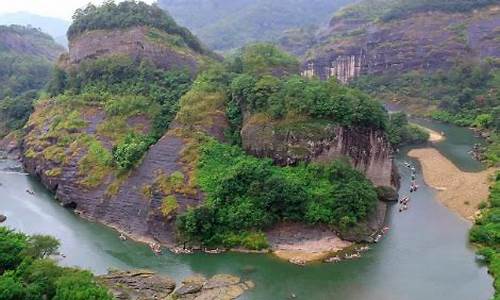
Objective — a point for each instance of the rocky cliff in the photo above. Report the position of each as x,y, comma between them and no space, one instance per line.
141,42
356,43
367,149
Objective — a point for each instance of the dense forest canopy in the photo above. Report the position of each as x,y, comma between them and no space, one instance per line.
230,24
127,14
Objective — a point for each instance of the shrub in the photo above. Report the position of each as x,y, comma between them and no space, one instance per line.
130,151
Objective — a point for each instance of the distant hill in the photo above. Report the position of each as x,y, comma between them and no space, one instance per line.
27,56
228,24
55,27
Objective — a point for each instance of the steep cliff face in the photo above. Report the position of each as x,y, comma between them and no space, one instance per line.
164,50
368,150
131,203
354,45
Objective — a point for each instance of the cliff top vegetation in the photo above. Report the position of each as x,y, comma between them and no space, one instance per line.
128,14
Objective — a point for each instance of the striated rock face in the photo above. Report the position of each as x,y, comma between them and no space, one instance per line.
368,150
351,46
139,43
130,209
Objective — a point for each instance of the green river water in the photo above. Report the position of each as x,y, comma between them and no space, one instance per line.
425,255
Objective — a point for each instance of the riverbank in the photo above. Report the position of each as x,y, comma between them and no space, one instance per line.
434,136
460,191
300,244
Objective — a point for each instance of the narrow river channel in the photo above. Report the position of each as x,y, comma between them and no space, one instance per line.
425,255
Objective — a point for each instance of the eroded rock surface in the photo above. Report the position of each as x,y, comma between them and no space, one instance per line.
137,43
367,149
218,287
138,285
423,41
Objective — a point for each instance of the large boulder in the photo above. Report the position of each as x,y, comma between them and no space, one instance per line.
387,194
2,218
138,285
219,287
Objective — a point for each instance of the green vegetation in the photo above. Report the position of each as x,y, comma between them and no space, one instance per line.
313,98
402,133
123,89
466,95
486,234
225,25
130,150
387,10
27,272
128,14
247,194
23,72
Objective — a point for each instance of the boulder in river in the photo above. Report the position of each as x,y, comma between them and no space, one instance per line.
141,285
219,287
137,285
387,194
2,218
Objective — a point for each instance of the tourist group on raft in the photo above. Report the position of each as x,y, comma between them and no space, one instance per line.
405,201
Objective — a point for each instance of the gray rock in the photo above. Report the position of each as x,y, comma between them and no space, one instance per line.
138,285
219,287
2,218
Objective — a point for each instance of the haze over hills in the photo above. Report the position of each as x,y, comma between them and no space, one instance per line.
55,27
225,24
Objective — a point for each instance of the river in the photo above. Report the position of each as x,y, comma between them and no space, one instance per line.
425,255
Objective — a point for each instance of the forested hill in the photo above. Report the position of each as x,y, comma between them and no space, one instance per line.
229,24
55,27
386,10
26,40
26,59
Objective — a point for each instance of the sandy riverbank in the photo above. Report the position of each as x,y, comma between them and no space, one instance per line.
460,191
300,244
434,136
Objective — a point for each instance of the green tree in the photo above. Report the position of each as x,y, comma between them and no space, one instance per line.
80,285
12,245
41,246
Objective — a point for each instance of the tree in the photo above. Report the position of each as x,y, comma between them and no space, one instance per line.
42,246
12,245
80,285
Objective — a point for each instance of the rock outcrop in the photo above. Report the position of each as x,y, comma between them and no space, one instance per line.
367,149
142,285
218,287
137,285
138,43
354,45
